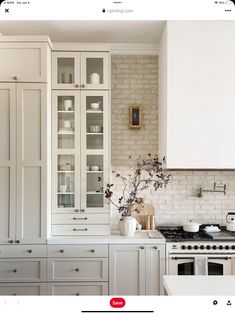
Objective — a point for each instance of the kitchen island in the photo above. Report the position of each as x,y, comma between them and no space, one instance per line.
199,285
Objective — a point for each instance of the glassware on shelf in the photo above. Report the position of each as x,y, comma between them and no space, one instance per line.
94,71
65,71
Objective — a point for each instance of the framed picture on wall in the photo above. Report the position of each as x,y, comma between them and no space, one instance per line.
135,116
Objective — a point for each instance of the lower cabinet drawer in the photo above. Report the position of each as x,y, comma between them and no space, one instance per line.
71,219
77,269
78,250
83,288
23,289
77,229
24,270
22,250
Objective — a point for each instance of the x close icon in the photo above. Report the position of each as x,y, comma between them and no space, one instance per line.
6,10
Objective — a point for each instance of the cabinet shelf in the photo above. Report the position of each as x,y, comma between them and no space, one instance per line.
94,171
65,193
65,111
94,111
94,193
94,133
68,171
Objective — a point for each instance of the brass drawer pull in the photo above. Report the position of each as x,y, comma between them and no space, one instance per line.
76,218
14,270
75,229
142,247
77,269
155,247
29,251
92,251
61,251
17,241
14,78
77,85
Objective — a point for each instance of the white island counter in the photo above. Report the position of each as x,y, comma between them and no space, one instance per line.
199,285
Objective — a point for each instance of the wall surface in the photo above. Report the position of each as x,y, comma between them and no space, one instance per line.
135,80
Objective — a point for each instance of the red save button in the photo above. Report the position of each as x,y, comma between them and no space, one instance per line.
117,302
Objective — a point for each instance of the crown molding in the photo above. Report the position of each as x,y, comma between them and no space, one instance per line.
138,49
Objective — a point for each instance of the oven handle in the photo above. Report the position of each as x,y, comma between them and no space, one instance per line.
225,258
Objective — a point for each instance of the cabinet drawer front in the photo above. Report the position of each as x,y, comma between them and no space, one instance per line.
71,219
23,289
24,62
9,251
22,270
77,250
83,288
75,230
78,269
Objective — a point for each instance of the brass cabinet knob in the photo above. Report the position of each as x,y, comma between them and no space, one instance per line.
10,241
17,241
83,85
155,247
29,251
15,78
61,251
92,251
142,247
76,85
76,210
14,270
77,269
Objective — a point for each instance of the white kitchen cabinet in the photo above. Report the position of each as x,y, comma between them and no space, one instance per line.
24,162
197,95
23,289
78,203
77,289
127,270
24,61
136,269
80,70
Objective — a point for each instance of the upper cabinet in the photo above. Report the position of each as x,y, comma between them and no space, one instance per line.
197,95
80,70
24,61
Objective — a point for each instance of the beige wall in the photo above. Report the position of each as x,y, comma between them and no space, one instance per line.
134,80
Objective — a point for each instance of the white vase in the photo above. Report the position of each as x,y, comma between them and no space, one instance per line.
127,226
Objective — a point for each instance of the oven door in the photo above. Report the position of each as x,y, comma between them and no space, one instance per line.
184,265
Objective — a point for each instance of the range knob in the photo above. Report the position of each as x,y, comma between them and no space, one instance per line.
202,247
221,247
214,247
208,247
226,247
195,247
189,247
183,247
233,247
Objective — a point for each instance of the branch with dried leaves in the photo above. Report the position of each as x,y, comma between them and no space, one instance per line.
147,172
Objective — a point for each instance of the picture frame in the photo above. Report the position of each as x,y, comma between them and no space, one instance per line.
135,116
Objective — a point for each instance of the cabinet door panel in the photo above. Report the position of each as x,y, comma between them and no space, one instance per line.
31,163
127,278
82,288
155,269
24,62
23,289
7,162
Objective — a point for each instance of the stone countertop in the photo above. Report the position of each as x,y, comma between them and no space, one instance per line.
199,285
140,237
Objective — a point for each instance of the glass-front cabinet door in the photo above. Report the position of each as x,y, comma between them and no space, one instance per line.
94,145
66,70
94,70
66,148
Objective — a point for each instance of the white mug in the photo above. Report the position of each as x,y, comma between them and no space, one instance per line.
67,124
68,104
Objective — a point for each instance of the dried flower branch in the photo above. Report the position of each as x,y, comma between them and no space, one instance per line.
147,172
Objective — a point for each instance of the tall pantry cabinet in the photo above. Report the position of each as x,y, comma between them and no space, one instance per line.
24,139
80,139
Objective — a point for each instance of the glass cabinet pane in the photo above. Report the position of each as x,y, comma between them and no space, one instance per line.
66,122
65,70
94,181
94,71
66,181
94,122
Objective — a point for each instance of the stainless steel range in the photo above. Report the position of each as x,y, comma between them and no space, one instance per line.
199,253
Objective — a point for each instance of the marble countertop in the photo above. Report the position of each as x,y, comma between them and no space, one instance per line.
140,237
199,285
